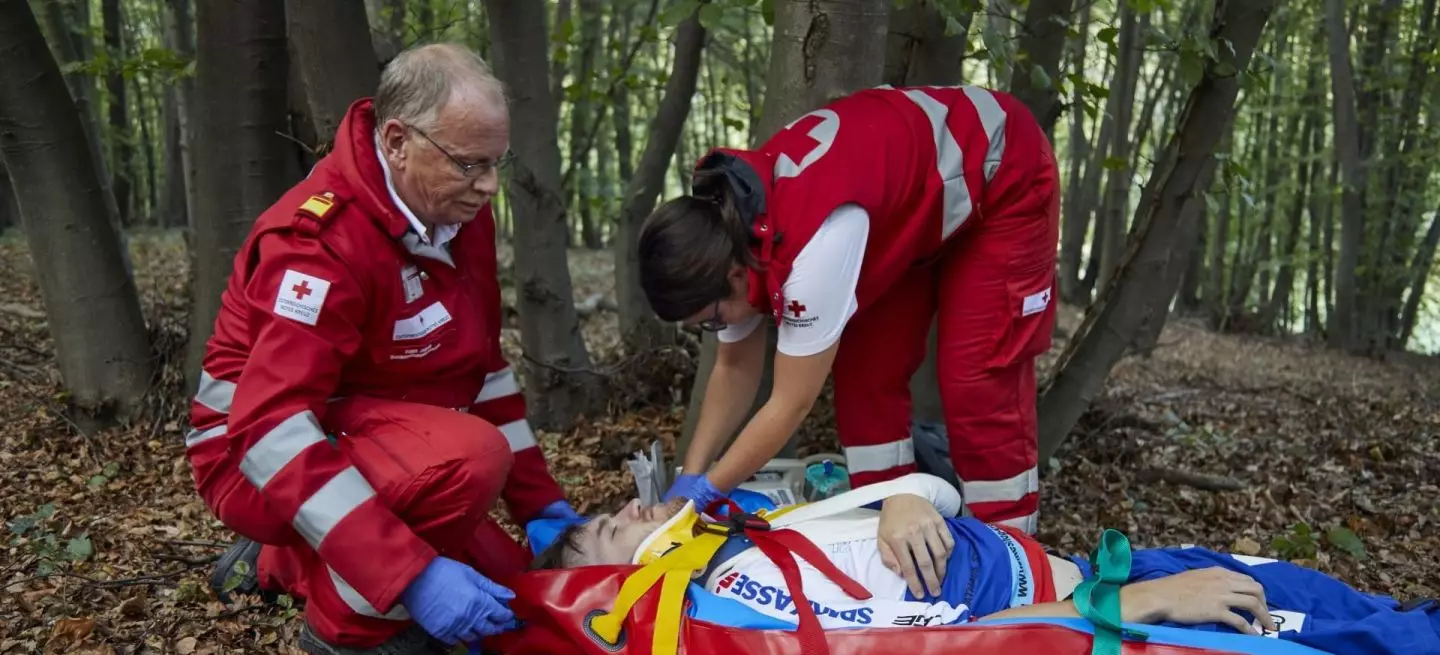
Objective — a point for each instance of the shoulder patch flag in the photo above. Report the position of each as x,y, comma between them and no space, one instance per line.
318,205
300,297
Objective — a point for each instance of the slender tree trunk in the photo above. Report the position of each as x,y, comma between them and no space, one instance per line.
620,100
145,212
559,387
1216,295
1419,275
583,118
101,343
180,34
1343,323
1042,42
1305,175
1118,176
9,208
122,149
242,163
334,58
638,325
1168,204
1076,218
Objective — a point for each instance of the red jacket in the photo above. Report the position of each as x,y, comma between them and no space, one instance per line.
921,162
326,300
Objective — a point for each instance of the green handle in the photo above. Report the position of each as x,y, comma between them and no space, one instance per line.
1098,597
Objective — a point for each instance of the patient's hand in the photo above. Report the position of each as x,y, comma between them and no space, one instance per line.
915,542
1199,596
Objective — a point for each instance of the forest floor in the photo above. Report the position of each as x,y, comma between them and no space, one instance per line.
1336,459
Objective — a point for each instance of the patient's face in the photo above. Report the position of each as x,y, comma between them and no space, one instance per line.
613,538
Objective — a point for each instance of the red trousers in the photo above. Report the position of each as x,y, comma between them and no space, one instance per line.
992,291
439,470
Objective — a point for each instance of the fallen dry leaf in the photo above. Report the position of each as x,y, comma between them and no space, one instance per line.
1245,546
185,646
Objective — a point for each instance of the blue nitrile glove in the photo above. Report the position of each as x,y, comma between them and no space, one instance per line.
455,603
559,509
696,487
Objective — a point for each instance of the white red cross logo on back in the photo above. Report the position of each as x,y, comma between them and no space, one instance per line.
301,290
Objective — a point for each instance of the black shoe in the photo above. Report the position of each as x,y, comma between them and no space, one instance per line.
1422,604
236,572
412,641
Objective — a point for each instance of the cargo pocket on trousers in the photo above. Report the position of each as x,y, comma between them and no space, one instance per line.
1029,314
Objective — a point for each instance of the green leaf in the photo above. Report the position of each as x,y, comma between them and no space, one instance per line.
1107,35
1038,77
710,16
564,31
733,123
678,11
1345,539
767,11
80,547
97,481
1192,67
1116,163
111,470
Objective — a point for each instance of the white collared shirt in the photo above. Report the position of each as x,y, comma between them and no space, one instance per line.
443,233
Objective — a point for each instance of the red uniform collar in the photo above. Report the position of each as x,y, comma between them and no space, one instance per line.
357,162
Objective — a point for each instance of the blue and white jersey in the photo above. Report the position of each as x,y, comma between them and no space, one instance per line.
987,572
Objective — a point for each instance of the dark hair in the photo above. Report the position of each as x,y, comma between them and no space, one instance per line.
553,557
688,245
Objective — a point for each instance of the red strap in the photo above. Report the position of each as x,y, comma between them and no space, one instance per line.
798,544
812,637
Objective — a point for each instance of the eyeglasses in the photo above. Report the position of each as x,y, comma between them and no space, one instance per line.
714,323
468,170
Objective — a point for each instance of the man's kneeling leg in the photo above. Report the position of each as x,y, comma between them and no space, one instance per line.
439,470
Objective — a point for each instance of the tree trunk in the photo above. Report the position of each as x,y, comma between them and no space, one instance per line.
559,385
180,34
1343,328
1305,174
1216,292
1419,275
1118,175
121,149
9,209
1042,41
101,343
620,100
1170,201
334,58
242,163
1076,221
583,117
822,50
638,326
917,47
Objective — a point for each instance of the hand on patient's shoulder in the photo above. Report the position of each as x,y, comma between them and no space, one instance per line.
1200,596
915,542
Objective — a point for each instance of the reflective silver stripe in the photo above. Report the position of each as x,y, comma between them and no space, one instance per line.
197,437
329,504
992,118
519,434
279,446
997,491
865,459
362,606
498,385
215,394
949,162
1026,524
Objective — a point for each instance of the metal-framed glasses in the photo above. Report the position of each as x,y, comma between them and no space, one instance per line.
471,170
714,323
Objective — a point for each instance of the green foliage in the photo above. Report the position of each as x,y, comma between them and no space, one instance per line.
1298,544
164,64
31,530
1345,539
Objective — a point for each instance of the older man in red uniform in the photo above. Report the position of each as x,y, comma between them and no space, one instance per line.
355,419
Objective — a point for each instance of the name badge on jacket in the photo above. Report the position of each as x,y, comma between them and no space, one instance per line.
410,279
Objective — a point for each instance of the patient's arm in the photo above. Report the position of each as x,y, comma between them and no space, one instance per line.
1192,597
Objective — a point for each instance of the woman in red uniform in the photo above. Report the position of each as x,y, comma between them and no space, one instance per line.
852,228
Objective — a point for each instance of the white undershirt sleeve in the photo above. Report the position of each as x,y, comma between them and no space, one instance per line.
820,292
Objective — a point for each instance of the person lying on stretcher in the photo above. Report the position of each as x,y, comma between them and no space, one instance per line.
924,565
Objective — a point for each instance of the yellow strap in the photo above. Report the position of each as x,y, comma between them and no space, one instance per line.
676,566
666,640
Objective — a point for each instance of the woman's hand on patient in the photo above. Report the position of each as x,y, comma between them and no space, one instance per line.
1201,596
915,542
